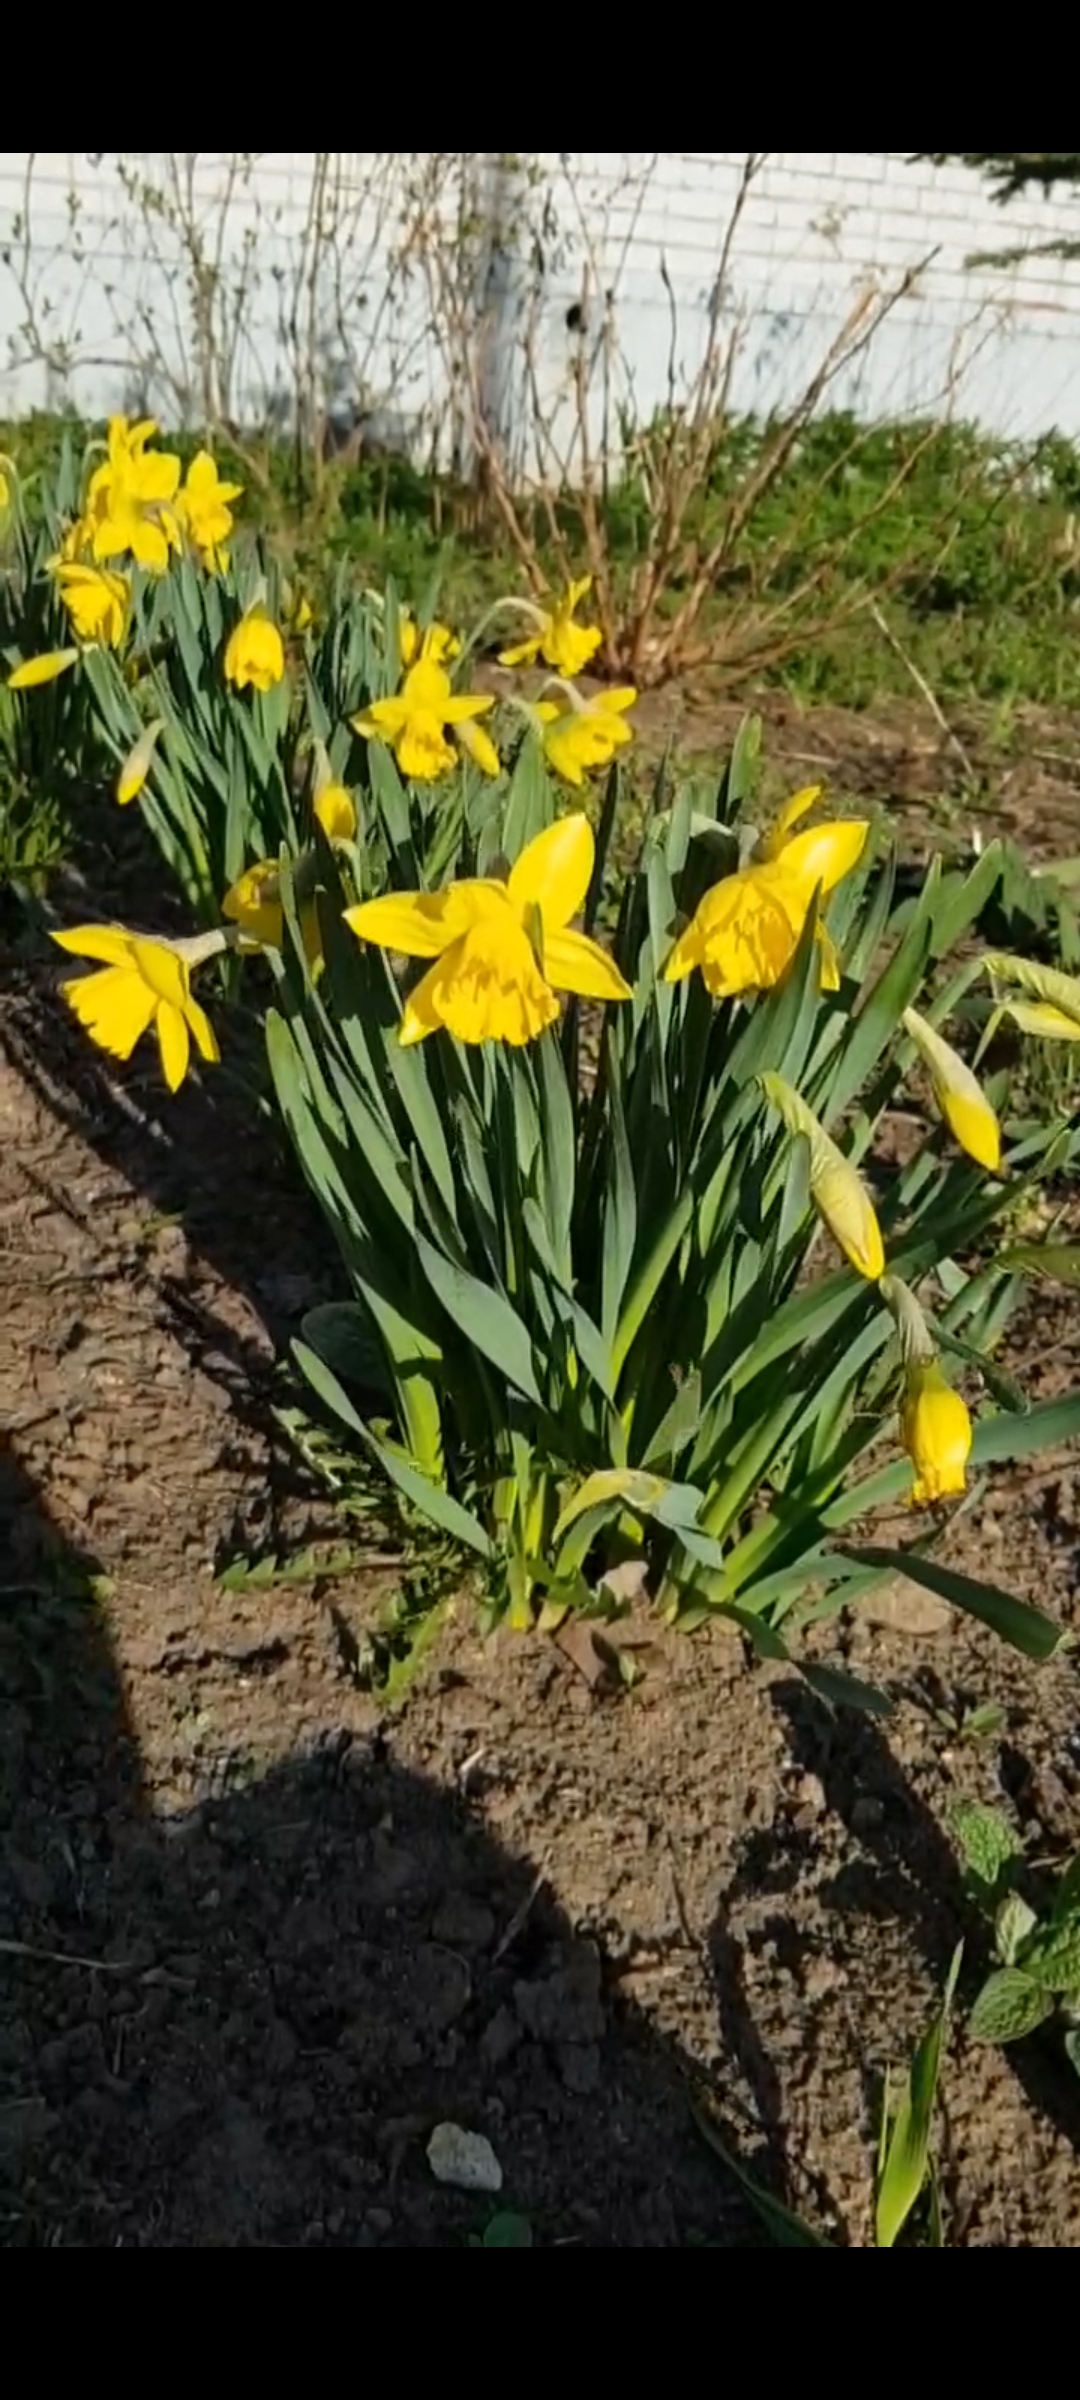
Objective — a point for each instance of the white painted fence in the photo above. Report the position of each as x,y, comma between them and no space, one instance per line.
207,285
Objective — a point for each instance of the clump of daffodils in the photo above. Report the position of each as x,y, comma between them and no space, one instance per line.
139,512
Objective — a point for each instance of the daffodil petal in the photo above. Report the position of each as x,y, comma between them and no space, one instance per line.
115,1007
685,956
825,854
419,1016
795,808
521,654
110,943
554,870
423,924
206,1040
463,705
174,1044
573,963
383,720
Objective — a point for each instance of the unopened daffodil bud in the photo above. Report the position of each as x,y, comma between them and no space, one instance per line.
836,1188
958,1093
936,1431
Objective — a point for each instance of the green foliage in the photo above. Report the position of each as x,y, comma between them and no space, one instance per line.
1011,173
1036,1940
49,751
586,1298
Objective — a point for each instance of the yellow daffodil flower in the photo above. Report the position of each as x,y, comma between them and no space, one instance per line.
142,983
746,930
253,903
204,508
936,1431
129,499
43,669
435,642
557,639
836,1189
255,652
5,492
502,950
958,1093
335,809
588,733
413,721
97,600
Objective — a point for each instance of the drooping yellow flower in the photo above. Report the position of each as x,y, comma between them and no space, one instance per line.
97,600
255,652
588,733
413,722
335,809
254,904
435,642
137,764
502,950
45,668
745,932
936,1431
130,497
958,1093
204,508
557,639
142,983
836,1188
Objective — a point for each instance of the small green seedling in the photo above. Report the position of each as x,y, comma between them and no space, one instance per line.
1037,1976
906,2193
504,2231
967,1721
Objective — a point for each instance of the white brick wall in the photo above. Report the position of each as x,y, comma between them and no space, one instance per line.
91,284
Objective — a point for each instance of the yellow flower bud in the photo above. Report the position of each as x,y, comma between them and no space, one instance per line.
958,1093
136,766
45,668
336,812
836,1189
936,1431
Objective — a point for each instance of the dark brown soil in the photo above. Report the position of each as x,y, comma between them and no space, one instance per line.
259,1932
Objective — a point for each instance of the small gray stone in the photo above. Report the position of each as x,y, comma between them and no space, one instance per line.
464,2160
902,1608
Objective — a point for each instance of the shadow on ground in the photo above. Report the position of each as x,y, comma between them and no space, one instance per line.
238,2027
